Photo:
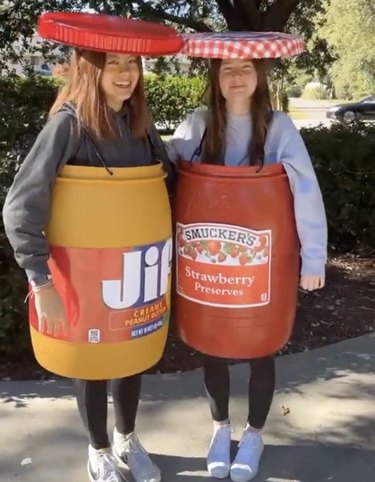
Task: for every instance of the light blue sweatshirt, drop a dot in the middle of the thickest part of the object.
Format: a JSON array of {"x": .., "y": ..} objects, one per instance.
[{"x": 283, "y": 144}]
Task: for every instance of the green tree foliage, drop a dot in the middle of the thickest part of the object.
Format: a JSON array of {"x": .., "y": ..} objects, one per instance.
[
  {"x": 294, "y": 16},
  {"x": 349, "y": 28},
  {"x": 18, "y": 21},
  {"x": 207, "y": 15},
  {"x": 19, "y": 18}
]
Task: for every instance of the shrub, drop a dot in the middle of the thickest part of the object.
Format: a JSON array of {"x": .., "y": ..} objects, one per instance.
[
  {"x": 343, "y": 157},
  {"x": 294, "y": 91},
  {"x": 315, "y": 91},
  {"x": 24, "y": 103},
  {"x": 170, "y": 98}
]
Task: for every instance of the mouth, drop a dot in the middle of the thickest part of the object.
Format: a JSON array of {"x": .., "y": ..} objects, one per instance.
[{"x": 123, "y": 85}]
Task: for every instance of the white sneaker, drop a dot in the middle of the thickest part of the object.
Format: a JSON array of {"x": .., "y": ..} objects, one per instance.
[
  {"x": 128, "y": 450},
  {"x": 102, "y": 466},
  {"x": 218, "y": 458},
  {"x": 246, "y": 463}
]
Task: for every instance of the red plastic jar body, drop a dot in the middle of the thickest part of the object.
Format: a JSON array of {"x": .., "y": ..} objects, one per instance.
[{"x": 237, "y": 259}]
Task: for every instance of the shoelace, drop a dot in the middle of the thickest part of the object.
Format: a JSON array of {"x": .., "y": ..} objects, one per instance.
[
  {"x": 135, "y": 448},
  {"x": 108, "y": 468},
  {"x": 113, "y": 478}
]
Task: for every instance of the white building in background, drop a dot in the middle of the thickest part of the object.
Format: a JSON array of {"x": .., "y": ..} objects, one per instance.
[
  {"x": 182, "y": 60},
  {"x": 42, "y": 67}
]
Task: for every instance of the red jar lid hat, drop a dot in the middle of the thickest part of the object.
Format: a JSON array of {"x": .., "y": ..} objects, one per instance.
[
  {"x": 108, "y": 33},
  {"x": 241, "y": 45}
]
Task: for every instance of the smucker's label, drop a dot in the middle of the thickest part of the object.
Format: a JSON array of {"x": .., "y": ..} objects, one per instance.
[{"x": 223, "y": 265}]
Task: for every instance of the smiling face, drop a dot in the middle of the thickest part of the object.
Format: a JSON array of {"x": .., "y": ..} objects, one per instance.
[
  {"x": 119, "y": 78},
  {"x": 238, "y": 80}
]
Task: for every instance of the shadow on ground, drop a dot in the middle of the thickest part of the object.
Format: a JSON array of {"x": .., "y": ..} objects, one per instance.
[
  {"x": 354, "y": 356},
  {"x": 301, "y": 463}
]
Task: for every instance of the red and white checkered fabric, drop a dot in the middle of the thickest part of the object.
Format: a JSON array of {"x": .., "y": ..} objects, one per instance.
[{"x": 241, "y": 45}]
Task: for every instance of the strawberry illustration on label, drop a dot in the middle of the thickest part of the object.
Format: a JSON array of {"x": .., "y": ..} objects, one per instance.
[
  {"x": 221, "y": 257},
  {"x": 213, "y": 247}
]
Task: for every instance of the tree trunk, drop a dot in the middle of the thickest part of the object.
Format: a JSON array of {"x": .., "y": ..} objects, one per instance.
[
  {"x": 246, "y": 14},
  {"x": 279, "y": 99}
]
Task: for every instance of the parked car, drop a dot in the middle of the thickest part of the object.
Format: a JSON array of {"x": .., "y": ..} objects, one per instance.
[{"x": 364, "y": 109}]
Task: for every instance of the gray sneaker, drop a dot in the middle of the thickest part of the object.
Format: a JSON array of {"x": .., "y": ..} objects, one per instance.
[
  {"x": 127, "y": 449},
  {"x": 102, "y": 466}
]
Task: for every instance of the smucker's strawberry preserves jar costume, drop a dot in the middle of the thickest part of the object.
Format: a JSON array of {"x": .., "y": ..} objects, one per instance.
[{"x": 249, "y": 221}]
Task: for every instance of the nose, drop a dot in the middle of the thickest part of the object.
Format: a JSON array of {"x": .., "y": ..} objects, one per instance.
[
  {"x": 237, "y": 73},
  {"x": 124, "y": 68}
]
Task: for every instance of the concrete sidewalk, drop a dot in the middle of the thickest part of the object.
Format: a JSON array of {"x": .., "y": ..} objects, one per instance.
[{"x": 328, "y": 434}]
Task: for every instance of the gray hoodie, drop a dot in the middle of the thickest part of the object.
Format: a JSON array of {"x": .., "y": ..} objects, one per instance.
[{"x": 27, "y": 206}]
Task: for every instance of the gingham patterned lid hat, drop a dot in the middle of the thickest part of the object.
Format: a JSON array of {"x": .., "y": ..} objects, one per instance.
[{"x": 241, "y": 45}]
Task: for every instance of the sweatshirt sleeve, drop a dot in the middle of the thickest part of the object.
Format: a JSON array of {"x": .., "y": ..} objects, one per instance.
[
  {"x": 308, "y": 202},
  {"x": 187, "y": 137},
  {"x": 162, "y": 155},
  {"x": 27, "y": 205}
]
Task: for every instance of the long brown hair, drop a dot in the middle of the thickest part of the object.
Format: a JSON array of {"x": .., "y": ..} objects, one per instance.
[
  {"x": 261, "y": 110},
  {"x": 83, "y": 90}
]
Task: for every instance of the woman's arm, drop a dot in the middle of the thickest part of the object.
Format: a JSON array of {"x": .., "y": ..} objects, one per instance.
[
  {"x": 308, "y": 202},
  {"x": 163, "y": 156},
  {"x": 27, "y": 205},
  {"x": 187, "y": 137}
]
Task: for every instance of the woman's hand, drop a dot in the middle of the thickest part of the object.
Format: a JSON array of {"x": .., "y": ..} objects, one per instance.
[
  {"x": 311, "y": 283},
  {"x": 50, "y": 311}
]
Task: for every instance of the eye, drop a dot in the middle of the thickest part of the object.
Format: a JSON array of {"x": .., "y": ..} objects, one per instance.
[
  {"x": 133, "y": 60},
  {"x": 112, "y": 62}
]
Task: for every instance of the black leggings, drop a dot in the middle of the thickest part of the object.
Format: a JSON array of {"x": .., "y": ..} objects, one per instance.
[
  {"x": 92, "y": 404},
  {"x": 261, "y": 388}
]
